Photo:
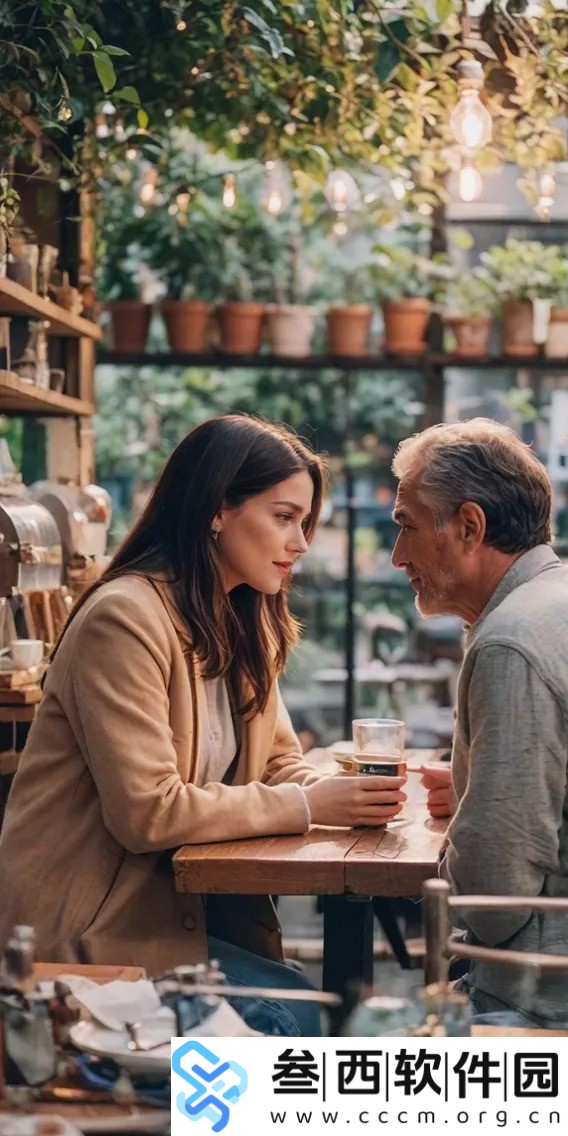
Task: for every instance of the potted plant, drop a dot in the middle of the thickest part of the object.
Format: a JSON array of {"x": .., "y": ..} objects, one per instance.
[
  {"x": 349, "y": 318},
  {"x": 185, "y": 252},
  {"x": 471, "y": 299},
  {"x": 250, "y": 248},
  {"x": 289, "y": 323},
  {"x": 557, "y": 338},
  {"x": 120, "y": 264},
  {"x": 405, "y": 282},
  {"x": 521, "y": 271},
  {"x": 119, "y": 283}
]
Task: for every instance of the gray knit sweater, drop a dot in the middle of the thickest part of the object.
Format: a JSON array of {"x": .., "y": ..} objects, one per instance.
[{"x": 509, "y": 835}]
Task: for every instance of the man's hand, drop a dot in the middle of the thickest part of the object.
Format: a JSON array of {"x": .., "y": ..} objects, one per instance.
[
  {"x": 437, "y": 779},
  {"x": 345, "y": 801}
]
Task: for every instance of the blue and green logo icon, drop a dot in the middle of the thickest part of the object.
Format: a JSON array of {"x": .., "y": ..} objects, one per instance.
[{"x": 216, "y": 1085}]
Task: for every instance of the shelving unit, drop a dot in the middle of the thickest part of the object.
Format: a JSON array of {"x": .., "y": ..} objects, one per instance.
[
  {"x": 15, "y": 300},
  {"x": 426, "y": 362},
  {"x": 69, "y": 440},
  {"x": 18, "y": 397}
]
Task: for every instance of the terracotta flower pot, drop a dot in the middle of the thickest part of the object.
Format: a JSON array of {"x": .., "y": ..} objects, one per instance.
[
  {"x": 348, "y": 330},
  {"x": 518, "y": 328},
  {"x": 471, "y": 334},
  {"x": 186, "y": 324},
  {"x": 289, "y": 329},
  {"x": 405, "y": 326},
  {"x": 130, "y": 320},
  {"x": 240, "y": 326},
  {"x": 557, "y": 341}
]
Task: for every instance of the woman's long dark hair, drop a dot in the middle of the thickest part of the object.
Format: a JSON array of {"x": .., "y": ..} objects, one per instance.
[{"x": 244, "y": 635}]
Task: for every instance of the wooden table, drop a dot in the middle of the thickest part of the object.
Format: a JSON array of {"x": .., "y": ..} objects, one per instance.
[{"x": 346, "y": 867}]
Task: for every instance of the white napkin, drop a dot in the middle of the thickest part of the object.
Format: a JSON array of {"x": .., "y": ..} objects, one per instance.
[{"x": 114, "y": 1003}]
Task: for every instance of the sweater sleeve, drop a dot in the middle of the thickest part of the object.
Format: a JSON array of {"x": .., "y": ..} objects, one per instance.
[
  {"x": 118, "y": 706},
  {"x": 504, "y": 839},
  {"x": 286, "y": 762}
]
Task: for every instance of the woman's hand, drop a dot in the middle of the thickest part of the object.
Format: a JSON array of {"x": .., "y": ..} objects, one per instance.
[
  {"x": 346, "y": 801},
  {"x": 438, "y": 780}
]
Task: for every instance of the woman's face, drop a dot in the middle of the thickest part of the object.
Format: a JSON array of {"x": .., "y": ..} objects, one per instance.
[{"x": 260, "y": 540}]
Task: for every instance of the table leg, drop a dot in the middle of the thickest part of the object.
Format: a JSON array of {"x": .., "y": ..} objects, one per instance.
[{"x": 347, "y": 944}]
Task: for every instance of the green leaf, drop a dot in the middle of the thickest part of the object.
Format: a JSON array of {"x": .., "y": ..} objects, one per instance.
[
  {"x": 480, "y": 47},
  {"x": 142, "y": 118},
  {"x": 105, "y": 71},
  {"x": 78, "y": 44},
  {"x": 129, "y": 94},
  {"x": 114, "y": 50},
  {"x": 444, "y": 9},
  {"x": 389, "y": 52},
  {"x": 92, "y": 36},
  {"x": 270, "y": 35}
]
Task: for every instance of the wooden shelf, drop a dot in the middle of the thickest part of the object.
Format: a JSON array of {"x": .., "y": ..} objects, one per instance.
[
  {"x": 15, "y": 300},
  {"x": 24, "y": 398},
  {"x": 418, "y": 363}
]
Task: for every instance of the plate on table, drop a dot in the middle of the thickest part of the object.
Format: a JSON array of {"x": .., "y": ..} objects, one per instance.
[{"x": 113, "y": 1044}]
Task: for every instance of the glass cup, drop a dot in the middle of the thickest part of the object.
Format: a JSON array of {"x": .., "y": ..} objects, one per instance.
[{"x": 378, "y": 745}]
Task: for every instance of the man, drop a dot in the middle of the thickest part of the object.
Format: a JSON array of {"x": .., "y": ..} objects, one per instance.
[{"x": 473, "y": 506}]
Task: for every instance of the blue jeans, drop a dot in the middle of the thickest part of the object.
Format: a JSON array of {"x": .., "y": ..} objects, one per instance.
[{"x": 285, "y": 1019}]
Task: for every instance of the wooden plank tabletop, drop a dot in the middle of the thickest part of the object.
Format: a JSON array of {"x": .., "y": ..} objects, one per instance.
[
  {"x": 395, "y": 860},
  {"x": 311, "y": 864},
  {"x": 99, "y": 972},
  {"x": 391, "y": 861}
]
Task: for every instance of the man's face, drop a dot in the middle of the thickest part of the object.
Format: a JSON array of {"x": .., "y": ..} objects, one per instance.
[{"x": 430, "y": 557}]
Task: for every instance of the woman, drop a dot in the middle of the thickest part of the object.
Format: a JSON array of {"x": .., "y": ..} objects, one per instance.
[{"x": 161, "y": 724}]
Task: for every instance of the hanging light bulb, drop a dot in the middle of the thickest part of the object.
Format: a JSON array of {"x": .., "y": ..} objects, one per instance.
[
  {"x": 148, "y": 187},
  {"x": 276, "y": 193},
  {"x": 546, "y": 188},
  {"x": 183, "y": 199},
  {"x": 341, "y": 190},
  {"x": 101, "y": 126},
  {"x": 470, "y": 182},
  {"x": 229, "y": 191},
  {"x": 470, "y": 120},
  {"x": 398, "y": 188}
]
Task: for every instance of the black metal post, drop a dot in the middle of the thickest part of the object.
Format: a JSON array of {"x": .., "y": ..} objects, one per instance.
[{"x": 350, "y": 576}]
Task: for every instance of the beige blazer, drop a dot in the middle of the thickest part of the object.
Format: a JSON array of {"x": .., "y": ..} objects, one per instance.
[{"x": 105, "y": 790}]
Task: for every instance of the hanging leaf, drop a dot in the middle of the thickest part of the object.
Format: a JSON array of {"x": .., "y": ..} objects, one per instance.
[
  {"x": 480, "y": 47},
  {"x": 114, "y": 50},
  {"x": 105, "y": 71},
  {"x": 444, "y": 9},
  {"x": 270, "y": 35},
  {"x": 390, "y": 51},
  {"x": 142, "y": 118},
  {"x": 129, "y": 94}
]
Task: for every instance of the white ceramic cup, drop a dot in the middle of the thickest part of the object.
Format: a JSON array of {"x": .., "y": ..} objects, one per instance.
[{"x": 27, "y": 653}]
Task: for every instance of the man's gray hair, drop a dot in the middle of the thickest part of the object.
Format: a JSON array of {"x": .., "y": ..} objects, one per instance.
[{"x": 487, "y": 463}]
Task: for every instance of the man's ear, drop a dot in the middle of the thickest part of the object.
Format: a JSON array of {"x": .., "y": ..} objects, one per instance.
[{"x": 471, "y": 525}]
